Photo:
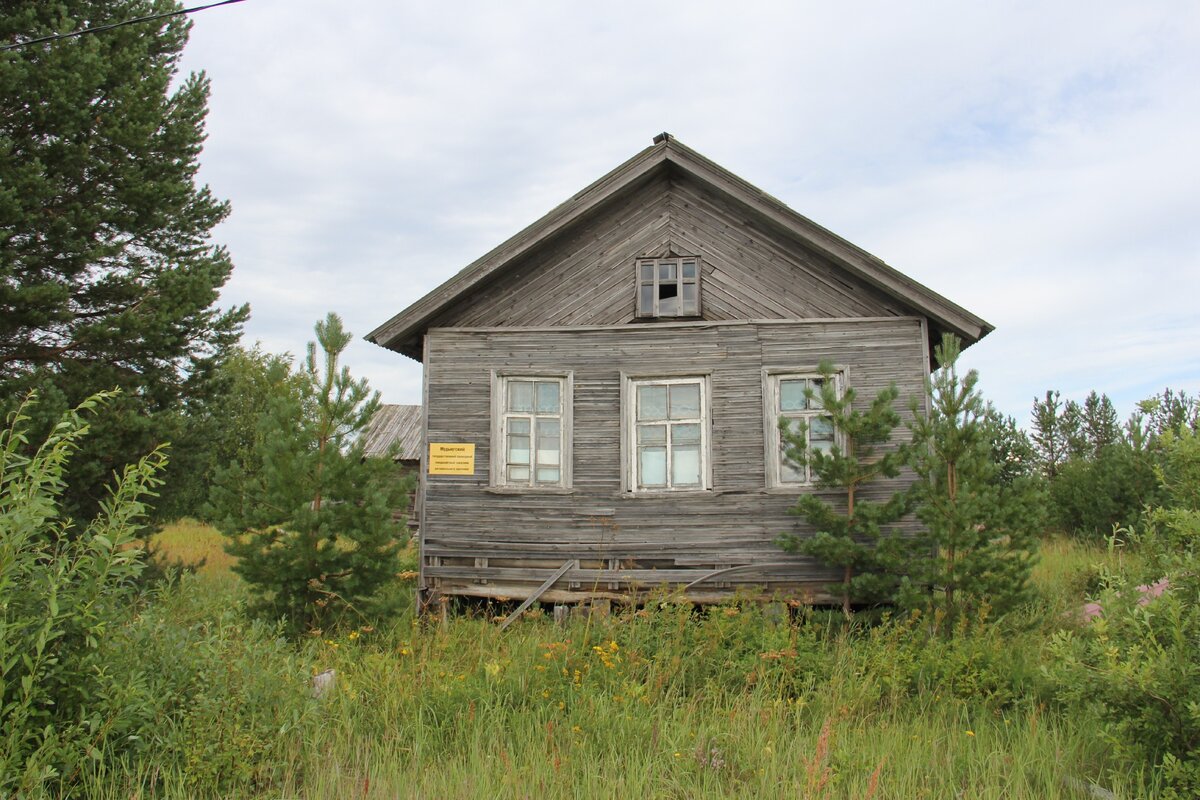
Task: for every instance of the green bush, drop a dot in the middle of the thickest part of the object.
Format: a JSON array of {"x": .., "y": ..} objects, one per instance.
[
  {"x": 1136, "y": 670},
  {"x": 1090, "y": 496},
  {"x": 212, "y": 701},
  {"x": 62, "y": 593}
]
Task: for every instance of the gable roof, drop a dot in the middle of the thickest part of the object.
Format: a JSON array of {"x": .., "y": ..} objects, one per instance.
[
  {"x": 394, "y": 425},
  {"x": 404, "y": 332}
]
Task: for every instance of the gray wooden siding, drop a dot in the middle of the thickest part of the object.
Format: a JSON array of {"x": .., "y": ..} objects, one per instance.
[
  {"x": 585, "y": 277},
  {"x": 484, "y": 541}
]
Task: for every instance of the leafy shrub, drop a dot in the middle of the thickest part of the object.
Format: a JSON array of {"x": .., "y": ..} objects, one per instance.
[
  {"x": 62, "y": 593},
  {"x": 1137, "y": 668},
  {"x": 201, "y": 693},
  {"x": 1091, "y": 496}
]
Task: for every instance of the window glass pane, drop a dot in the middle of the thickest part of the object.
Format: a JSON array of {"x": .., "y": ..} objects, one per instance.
[
  {"x": 685, "y": 401},
  {"x": 518, "y": 449},
  {"x": 689, "y": 298},
  {"x": 647, "y": 271},
  {"x": 520, "y": 396},
  {"x": 652, "y": 469},
  {"x": 548, "y": 442},
  {"x": 820, "y": 429},
  {"x": 788, "y": 472},
  {"x": 668, "y": 306},
  {"x": 646, "y": 299},
  {"x": 815, "y": 401},
  {"x": 685, "y": 465},
  {"x": 518, "y": 474},
  {"x": 685, "y": 434},
  {"x": 547, "y": 397},
  {"x": 652, "y": 402},
  {"x": 791, "y": 395},
  {"x": 822, "y": 446},
  {"x": 689, "y": 269},
  {"x": 518, "y": 425},
  {"x": 547, "y": 474},
  {"x": 666, "y": 272},
  {"x": 652, "y": 434}
]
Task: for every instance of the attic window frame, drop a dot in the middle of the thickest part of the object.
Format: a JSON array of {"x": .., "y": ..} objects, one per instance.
[{"x": 652, "y": 273}]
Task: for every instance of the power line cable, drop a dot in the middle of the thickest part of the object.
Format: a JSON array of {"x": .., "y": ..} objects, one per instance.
[{"x": 122, "y": 24}]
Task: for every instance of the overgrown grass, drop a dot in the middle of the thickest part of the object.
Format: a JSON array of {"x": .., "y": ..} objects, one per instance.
[
  {"x": 664, "y": 702},
  {"x": 192, "y": 544}
]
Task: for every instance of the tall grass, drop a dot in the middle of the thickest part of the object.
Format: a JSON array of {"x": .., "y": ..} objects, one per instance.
[{"x": 665, "y": 702}]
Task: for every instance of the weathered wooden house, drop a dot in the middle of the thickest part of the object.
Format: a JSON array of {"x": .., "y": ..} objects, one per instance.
[{"x": 602, "y": 390}]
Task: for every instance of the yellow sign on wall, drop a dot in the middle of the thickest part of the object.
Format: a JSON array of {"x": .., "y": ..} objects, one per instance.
[{"x": 451, "y": 458}]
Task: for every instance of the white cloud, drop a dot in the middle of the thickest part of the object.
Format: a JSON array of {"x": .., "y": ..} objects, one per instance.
[{"x": 1034, "y": 162}]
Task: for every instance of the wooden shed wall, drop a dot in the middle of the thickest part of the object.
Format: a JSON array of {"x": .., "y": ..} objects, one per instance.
[
  {"x": 750, "y": 271},
  {"x": 496, "y": 542}
]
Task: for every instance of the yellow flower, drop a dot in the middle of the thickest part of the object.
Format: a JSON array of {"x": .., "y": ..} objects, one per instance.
[
  {"x": 576, "y": 729},
  {"x": 492, "y": 668},
  {"x": 970, "y": 733},
  {"x": 613, "y": 646},
  {"x": 405, "y": 651},
  {"x": 352, "y": 635}
]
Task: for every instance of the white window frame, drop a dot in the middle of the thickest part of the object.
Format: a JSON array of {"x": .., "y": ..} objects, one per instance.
[
  {"x": 772, "y": 412},
  {"x": 630, "y": 477},
  {"x": 655, "y": 281},
  {"x": 502, "y": 418}
]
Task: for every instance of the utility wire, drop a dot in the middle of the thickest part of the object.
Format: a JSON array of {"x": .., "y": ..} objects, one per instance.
[{"x": 100, "y": 28}]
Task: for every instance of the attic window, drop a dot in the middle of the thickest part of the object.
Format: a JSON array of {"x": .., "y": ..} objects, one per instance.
[{"x": 668, "y": 287}]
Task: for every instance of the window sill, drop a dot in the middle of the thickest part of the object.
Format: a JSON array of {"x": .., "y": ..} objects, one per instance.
[
  {"x": 529, "y": 490},
  {"x": 631, "y": 495}
]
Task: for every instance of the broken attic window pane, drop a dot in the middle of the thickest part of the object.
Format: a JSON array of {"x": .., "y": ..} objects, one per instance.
[
  {"x": 689, "y": 299},
  {"x": 646, "y": 299}
]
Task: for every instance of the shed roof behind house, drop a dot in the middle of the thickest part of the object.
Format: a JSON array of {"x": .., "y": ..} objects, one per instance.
[
  {"x": 394, "y": 425},
  {"x": 658, "y": 178}
]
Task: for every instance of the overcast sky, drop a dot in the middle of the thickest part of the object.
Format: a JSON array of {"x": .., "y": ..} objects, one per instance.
[{"x": 1037, "y": 163}]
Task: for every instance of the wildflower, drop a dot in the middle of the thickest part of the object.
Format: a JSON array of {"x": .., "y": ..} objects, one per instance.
[
  {"x": 352, "y": 635},
  {"x": 492, "y": 668},
  {"x": 679, "y": 755},
  {"x": 613, "y": 646},
  {"x": 970, "y": 733},
  {"x": 405, "y": 651},
  {"x": 576, "y": 729}
]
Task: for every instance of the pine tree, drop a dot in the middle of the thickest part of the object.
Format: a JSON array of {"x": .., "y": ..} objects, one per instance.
[
  {"x": 852, "y": 534},
  {"x": 107, "y": 276},
  {"x": 309, "y": 519},
  {"x": 981, "y": 527},
  {"x": 1049, "y": 433}
]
